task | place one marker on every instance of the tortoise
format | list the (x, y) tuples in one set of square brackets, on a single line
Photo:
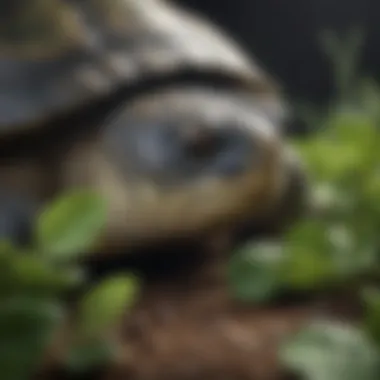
[(152, 107), (155, 109)]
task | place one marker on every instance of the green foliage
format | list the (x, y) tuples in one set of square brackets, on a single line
[(26, 327), (328, 350), (342, 240), (89, 354), (71, 225), (371, 299), (252, 272), (100, 309), (105, 303), (33, 281), (340, 244)]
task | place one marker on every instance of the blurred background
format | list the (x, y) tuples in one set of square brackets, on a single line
[(285, 37)]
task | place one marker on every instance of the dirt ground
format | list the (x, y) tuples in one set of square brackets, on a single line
[(189, 327)]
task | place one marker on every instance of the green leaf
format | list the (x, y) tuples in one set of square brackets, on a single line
[(307, 260), (344, 250), (105, 304), (7, 248), (25, 272), (71, 225), (7, 252), (371, 192), (355, 126), (331, 351), (89, 355), (345, 147), (330, 201), (26, 327), (33, 275), (307, 269), (371, 298), (253, 272)]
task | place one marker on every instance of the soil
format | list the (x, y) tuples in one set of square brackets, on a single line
[(189, 327)]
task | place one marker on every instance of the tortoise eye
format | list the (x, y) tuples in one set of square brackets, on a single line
[(200, 141)]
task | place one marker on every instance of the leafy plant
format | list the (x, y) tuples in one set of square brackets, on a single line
[(340, 243), (71, 226), (34, 279), (253, 272), (327, 350), (342, 240)]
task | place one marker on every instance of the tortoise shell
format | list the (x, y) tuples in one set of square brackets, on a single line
[(57, 56)]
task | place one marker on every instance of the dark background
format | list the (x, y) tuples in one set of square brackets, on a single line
[(282, 34)]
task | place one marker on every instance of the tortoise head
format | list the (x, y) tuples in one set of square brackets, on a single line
[(182, 163)]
